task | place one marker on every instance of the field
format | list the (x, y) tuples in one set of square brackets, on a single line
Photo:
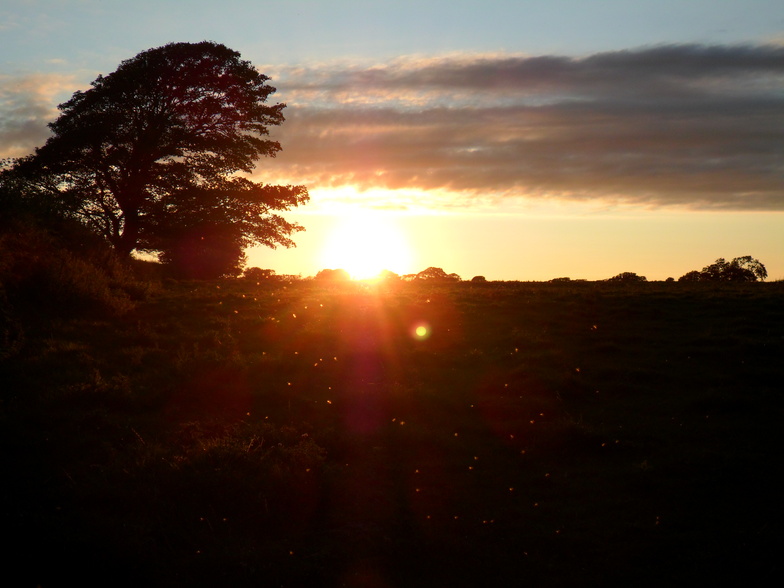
[(237, 433)]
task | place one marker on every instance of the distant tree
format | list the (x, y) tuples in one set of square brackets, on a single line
[(628, 278), (740, 269), (437, 274), (388, 276), (692, 276), (257, 274), (560, 280), (479, 279), (333, 275), (289, 278), (149, 157)]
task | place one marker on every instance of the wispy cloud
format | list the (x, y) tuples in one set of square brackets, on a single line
[(27, 104), (691, 125)]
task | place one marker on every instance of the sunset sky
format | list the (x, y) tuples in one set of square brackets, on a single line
[(519, 140)]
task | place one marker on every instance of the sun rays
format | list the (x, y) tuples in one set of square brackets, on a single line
[(366, 242)]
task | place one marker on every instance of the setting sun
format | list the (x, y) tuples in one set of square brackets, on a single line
[(366, 243)]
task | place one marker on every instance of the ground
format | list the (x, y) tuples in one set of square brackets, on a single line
[(296, 433)]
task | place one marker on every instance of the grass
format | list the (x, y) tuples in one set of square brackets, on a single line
[(229, 433)]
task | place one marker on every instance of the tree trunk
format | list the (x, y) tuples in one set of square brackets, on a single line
[(130, 234)]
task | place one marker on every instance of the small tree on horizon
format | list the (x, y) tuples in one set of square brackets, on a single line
[(628, 278), (437, 274), (257, 273), (333, 275), (388, 276)]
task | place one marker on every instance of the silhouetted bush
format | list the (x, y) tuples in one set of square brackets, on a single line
[(436, 274), (479, 279), (256, 274), (11, 333), (388, 276), (692, 276), (65, 273), (333, 275), (628, 278)]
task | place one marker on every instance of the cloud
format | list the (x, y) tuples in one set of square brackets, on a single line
[(680, 125), (686, 125), (27, 104)]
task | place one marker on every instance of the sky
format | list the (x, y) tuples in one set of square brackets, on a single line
[(518, 140)]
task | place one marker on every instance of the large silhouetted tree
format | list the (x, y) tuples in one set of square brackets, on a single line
[(152, 155)]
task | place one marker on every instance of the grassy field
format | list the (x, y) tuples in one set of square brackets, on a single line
[(241, 434)]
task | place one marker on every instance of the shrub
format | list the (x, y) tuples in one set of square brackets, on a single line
[(256, 274), (628, 278), (436, 274), (388, 276), (333, 275), (41, 275), (10, 329)]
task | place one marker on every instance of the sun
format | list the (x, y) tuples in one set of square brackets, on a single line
[(365, 243)]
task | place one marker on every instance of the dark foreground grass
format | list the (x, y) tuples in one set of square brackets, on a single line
[(235, 434)]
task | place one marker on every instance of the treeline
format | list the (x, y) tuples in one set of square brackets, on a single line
[(740, 269)]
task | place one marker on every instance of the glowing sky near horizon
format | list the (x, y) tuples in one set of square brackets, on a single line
[(516, 140)]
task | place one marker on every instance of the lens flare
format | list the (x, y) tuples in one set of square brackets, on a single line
[(421, 331)]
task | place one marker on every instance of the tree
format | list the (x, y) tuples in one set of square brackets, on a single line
[(151, 156), (628, 278), (333, 275), (692, 276), (437, 274), (740, 269), (388, 276), (258, 274)]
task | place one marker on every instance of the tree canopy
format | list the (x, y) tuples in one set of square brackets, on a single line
[(437, 274), (333, 275), (628, 278), (155, 156), (740, 269)]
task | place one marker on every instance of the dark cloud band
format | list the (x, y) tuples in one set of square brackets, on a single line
[(687, 125), (677, 125)]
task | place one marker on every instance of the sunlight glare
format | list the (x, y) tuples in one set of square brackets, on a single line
[(366, 243)]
